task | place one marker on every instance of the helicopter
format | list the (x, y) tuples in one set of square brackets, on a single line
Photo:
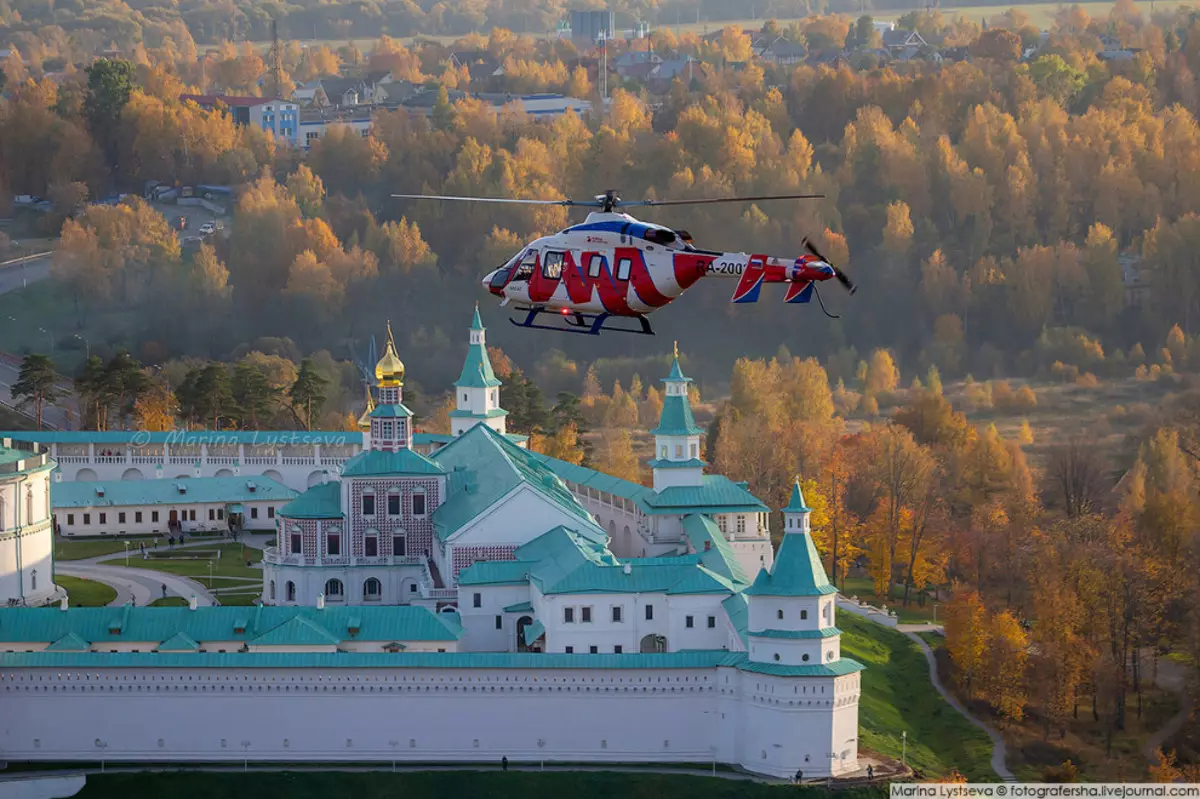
[(613, 266)]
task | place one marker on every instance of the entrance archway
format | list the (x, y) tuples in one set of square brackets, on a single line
[(132, 474), (522, 623), (654, 643)]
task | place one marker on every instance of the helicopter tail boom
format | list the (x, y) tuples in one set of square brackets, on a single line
[(800, 276)]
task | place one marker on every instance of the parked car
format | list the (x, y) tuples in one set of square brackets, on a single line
[(207, 229)]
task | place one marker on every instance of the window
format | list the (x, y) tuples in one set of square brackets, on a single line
[(153, 515), (137, 517), (368, 505), (87, 518), (371, 546), (398, 546), (623, 267), (290, 591), (618, 649), (70, 518), (568, 615), (372, 589), (393, 503), (804, 614), (569, 650), (295, 543), (254, 513), (270, 511), (191, 516), (595, 650), (552, 265), (586, 615), (272, 594), (712, 622), (33, 583), (212, 514), (721, 524), (499, 622), (477, 600), (121, 517), (779, 613), (595, 264), (616, 614), (418, 502), (741, 524), (103, 518), (689, 622), (679, 450), (693, 451), (220, 514), (386, 429), (662, 452), (333, 588), (649, 613), (525, 270), (333, 544)]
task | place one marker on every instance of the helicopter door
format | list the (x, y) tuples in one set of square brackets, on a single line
[(546, 281)]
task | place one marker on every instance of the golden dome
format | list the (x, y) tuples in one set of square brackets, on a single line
[(390, 369), (364, 421)]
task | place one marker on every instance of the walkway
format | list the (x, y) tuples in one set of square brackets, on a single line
[(999, 748), (143, 586), (1171, 677)]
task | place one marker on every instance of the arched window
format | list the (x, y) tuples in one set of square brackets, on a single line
[(333, 589), (372, 590), (272, 591), (290, 591)]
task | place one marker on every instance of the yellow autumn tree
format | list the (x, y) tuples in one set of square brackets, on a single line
[(966, 637)]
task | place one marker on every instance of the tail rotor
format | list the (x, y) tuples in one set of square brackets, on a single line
[(848, 284)]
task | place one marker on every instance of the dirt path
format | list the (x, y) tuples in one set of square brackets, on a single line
[(1171, 677)]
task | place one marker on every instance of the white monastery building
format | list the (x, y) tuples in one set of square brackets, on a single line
[(26, 526), (536, 609)]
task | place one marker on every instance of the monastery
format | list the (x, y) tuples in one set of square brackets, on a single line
[(438, 598)]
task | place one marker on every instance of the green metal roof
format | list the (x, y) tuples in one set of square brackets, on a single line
[(376, 462), (297, 631), (476, 322), (714, 550), (676, 418), (264, 438), (119, 493), (496, 572), (179, 642), (797, 571), (737, 608), (322, 501), (164, 624), (676, 375), (690, 659), (483, 467), (477, 368), (825, 632), (715, 494), (796, 503), (71, 642), (396, 411), (534, 631), (691, 463), (581, 475), (520, 607)]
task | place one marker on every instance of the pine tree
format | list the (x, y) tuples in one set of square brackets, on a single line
[(37, 384), (308, 392), (252, 394)]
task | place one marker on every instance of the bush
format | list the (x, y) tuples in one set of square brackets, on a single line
[(1064, 772), (1087, 380)]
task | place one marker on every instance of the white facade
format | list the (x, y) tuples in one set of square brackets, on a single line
[(26, 525), (765, 724), (150, 519)]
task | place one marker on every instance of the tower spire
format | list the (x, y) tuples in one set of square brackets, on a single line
[(477, 390)]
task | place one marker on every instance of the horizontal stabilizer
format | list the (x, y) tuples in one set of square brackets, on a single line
[(752, 280), (799, 292)]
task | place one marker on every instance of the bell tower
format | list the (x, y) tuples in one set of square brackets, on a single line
[(477, 390), (391, 422), (677, 438)]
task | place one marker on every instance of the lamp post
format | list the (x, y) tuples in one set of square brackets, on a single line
[(101, 745), (86, 344), (246, 755), (904, 750), (51, 335), (126, 553)]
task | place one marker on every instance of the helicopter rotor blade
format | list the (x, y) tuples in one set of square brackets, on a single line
[(507, 200), (715, 200)]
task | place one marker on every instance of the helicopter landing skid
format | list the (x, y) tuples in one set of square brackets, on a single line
[(586, 324)]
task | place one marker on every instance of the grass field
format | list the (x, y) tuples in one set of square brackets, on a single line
[(441, 784), (231, 563), (80, 549), (85, 593), (898, 697), (864, 589)]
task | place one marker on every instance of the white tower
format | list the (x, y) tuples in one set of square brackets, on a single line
[(477, 390), (677, 438), (796, 650)]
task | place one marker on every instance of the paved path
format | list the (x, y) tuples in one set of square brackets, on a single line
[(143, 586), (999, 749), (1171, 677)]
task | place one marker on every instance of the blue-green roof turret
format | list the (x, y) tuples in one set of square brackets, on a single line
[(797, 570), (796, 504), (477, 368), (676, 418), (477, 398)]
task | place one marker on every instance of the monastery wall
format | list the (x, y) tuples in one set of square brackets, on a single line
[(766, 724)]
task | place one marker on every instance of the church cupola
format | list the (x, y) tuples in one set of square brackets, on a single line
[(390, 421), (477, 390), (791, 606), (677, 438), (364, 421)]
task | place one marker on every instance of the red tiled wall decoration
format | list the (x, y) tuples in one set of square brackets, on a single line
[(465, 556)]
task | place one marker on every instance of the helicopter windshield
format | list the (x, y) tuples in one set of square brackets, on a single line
[(663, 236), (528, 264)]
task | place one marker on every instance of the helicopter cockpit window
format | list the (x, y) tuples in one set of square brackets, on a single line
[(528, 264), (660, 236), (595, 264), (552, 265)]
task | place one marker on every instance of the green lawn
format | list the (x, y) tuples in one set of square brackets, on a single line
[(14, 420), (864, 589), (898, 697), (441, 784), (79, 549), (232, 563), (86, 593)]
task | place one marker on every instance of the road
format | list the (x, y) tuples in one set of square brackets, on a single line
[(15, 276), (51, 414)]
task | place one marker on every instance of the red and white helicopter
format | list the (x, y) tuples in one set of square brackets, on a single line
[(615, 266)]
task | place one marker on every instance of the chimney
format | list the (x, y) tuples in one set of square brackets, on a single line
[(628, 569), (192, 603), (321, 601), (62, 605)]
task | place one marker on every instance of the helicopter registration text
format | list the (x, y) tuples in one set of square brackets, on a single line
[(726, 268)]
